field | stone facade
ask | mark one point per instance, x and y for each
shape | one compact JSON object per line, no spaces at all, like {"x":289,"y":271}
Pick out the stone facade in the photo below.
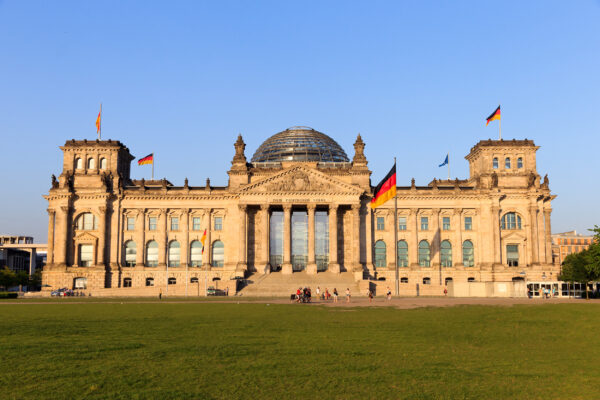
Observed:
{"x":107,"y":231}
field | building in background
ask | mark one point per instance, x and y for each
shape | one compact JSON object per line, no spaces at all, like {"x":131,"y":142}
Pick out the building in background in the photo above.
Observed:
{"x":298,"y":209}
{"x":567,"y":243}
{"x":20,"y":253}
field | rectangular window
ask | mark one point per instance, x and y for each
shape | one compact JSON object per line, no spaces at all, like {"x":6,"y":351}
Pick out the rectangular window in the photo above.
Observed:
{"x":401,"y":223}
{"x":152,"y":223}
{"x":380,"y":223}
{"x":86,"y":255}
{"x":218,"y":223}
{"x":512,"y":255}
{"x":130,"y":223}
{"x":196,"y":223}
{"x":446,"y":223}
{"x":424,"y":223}
{"x":468,"y":223}
{"x":174,"y":223}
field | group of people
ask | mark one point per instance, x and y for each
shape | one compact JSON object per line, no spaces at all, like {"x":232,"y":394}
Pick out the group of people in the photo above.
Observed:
{"x":544,"y":293}
{"x":371,"y":294}
{"x":304,"y":295}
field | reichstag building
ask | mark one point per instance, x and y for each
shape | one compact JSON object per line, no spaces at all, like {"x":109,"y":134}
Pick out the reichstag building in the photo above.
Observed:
{"x":299,"y":208}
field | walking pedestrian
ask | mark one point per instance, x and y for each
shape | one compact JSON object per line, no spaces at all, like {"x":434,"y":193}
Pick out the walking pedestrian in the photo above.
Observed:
{"x":347,"y":295}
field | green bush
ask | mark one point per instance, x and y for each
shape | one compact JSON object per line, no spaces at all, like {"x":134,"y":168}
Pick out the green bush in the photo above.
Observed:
{"x":8,"y":295}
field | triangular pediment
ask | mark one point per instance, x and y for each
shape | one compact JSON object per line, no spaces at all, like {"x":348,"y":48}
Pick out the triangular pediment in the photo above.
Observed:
{"x":514,"y":235}
{"x":86,"y":237}
{"x":301,"y":180}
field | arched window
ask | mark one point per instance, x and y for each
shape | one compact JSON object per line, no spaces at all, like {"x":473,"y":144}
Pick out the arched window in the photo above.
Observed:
{"x":194,"y":280}
{"x":426,"y":281}
{"x":424,"y":254}
{"x":446,"y":253}
{"x":174,"y":254}
{"x":152,"y":254}
{"x":402,"y":253}
{"x":172,"y":281}
{"x":130,"y":253}
{"x":471,"y":279}
{"x":218,"y":254}
{"x":86,"y":255}
{"x":447,"y":280}
{"x":468,"y":254}
{"x":91,"y":163}
{"x":149,"y":281}
{"x":103,"y":163}
{"x":403,"y":280}
{"x":86,"y":222}
{"x":507,"y":163}
{"x":495,"y":163}
{"x":510,"y":220}
{"x":196,"y":254}
{"x":520,"y":162}
{"x":78,"y":163}
{"x":127,"y":282}
{"x":380,"y":259}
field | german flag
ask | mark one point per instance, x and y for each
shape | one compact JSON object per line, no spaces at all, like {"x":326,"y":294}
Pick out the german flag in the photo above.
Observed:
{"x":149,"y":159}
{"x":386,"y":189}
{"x":495,"y":115}
{"x":202,"y":240}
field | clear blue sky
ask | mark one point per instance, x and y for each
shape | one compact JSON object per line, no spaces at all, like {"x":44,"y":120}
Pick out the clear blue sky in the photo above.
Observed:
{"x":415,"y":78}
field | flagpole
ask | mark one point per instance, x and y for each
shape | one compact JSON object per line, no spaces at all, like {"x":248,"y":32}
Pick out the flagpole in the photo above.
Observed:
{"x":396,"y":236}
{"x":152,"y":166}
{"x":100,"y":126}
{"x":500,"y":123}
{"x":448,"y":157}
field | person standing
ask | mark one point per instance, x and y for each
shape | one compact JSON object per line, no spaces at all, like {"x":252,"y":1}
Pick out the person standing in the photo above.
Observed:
{"x":347,"y":295}
{"x":389,"y":293}
{"x":318,"y":291}
{"x":370,"y":294}
{"x":335,"y":295}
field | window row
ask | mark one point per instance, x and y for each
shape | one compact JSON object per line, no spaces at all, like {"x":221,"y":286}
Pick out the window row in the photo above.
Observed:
{"x":127,"y":282}
{"x":427,"y":280}
{"x":174,"y":225}
{"x":507,"y":163}
{"x":424,"y":254}
{"x":468,"y":223}
{"x":174,"y":254}
{"x":91,"y":163}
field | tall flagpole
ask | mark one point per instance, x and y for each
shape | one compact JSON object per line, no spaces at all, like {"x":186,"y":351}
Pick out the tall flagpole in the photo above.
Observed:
{"x":500,"y":123}
{"x":448,"y":158}
{"x":152,"y":166}
{"x":396,"y":236}
{"x":100,"y":125}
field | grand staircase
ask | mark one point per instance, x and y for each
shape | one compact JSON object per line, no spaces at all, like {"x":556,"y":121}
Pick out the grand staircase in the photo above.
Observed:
{"x":277,"y":284}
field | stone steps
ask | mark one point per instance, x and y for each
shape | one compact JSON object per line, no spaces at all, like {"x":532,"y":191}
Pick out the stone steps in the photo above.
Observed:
{"x":278,"y":284}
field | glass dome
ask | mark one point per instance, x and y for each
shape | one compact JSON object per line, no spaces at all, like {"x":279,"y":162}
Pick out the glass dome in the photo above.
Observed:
{"x":300,"y":143}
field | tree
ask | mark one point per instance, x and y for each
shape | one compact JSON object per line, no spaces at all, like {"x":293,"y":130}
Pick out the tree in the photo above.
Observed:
{"x":7,"y":278}
{"x":583,"y":267}
{"x":22,"y":278}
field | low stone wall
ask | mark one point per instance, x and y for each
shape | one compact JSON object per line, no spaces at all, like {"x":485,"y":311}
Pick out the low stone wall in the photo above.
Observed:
{"x":487,"y":289}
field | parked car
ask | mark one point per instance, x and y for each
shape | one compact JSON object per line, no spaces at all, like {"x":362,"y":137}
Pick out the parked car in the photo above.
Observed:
{"x":62,"y":292}
{"x":212,"y":291}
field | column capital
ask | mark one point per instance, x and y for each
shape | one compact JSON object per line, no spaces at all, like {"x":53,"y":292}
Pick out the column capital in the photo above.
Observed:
{"x":414,"y":211}
{"x":64,"y":209}
{"x":264,"y":207}
{"x":102,"y":209}
{"x":435,"y":210}
{"x":242,"y":207}
{"x":547,"y":211}
{"x":458,"y":211}
{"x":185,"y":211}
{"x":333,"y":206}
{"x":311,"y":207}
{"x":355,"y":207}
{"x":287,"y":207}
{"x":50,"y":211}
{"x":163,"y":211}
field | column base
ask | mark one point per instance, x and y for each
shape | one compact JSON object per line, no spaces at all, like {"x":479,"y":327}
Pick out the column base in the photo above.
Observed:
{"x":311,"y":268}
{"x":286,"y":268}
{"x":205,"y":267}
{"x":334,"y":268}
{"x":241,"y":266}
{"x":265,"y":269}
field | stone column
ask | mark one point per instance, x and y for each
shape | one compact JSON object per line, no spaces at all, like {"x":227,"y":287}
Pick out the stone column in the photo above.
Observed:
{"x":185,"y":229}
{"x":32,"y":261}
{"x":207,"y":259}
{"x":333,"y":266}
{"x":61,"y":237}
{"x":457,"y":247}
{"x":435,"y":242}
{"x":50,"y":253}
{"x":311,"y":267}
{"x":264,"y":261}
{"x":413,"y":244}
{"x":286,"y":267}
{"x":242,"y":265}
{"x":497,"y":250}
{"x":541,"y":239}
{"x":356,"y":265}
{"x":548,"y":238}
{"x":162,"y":238}
{"x":369,"y":240}
{"x":102,"y":233}
{"x":140,"y":235}
{"x":534,"y":234}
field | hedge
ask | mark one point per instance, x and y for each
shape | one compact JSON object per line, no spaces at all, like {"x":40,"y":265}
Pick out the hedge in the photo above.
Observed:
{"x":8,"y":295}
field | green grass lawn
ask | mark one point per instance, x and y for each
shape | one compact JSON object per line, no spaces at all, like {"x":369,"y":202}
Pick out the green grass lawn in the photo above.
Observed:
{"x":259,"y":351}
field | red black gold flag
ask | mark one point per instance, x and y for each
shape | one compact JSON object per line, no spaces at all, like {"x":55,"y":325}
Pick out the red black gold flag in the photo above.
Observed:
{"x":495,"y":115}
{"x":386,"y":189}
{"x":149,"y":159}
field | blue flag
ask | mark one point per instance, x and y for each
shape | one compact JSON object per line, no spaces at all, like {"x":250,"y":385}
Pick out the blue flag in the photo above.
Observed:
{"x":445,"y":161}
